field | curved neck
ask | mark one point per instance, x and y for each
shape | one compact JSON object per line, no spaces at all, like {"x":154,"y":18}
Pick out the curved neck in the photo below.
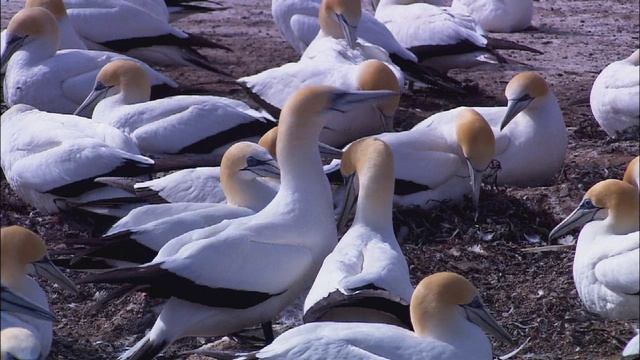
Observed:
{"x":12,"y":273}
{"x":38,"y":49}
{"x":623,"y":221}
{"x":245,"y":191}
{"x":375,"y":198}
{"x":449,"y":325}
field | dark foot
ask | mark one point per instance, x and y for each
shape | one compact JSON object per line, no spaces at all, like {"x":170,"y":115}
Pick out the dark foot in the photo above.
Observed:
{"x":267,"y":329}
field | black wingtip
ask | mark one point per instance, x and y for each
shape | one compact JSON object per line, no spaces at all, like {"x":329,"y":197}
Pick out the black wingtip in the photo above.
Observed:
{"x":262,"y":103}
{"x":428,"y":75}
{"x":196,"y":40}
{"x":502,"y":44}
{"x":195,"y":58}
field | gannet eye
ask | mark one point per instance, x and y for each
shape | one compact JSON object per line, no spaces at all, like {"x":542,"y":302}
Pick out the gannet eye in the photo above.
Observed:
{"x":587,"y":204}
{"x":525,"y":97}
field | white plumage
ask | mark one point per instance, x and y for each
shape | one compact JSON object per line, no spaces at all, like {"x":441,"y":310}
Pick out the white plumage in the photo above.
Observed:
{"x":614,"y":97}
{"x":502,"y":16}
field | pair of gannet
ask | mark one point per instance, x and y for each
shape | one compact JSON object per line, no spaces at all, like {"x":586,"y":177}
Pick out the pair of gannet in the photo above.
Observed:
{"x":530,"y":133}
{"x":172,"y":125}
{"x":25,"y":336}
{"x":606,"y":268}
{"x":448,"y":319}
{"x":39,"y":75}
{"x":614,"y":97}
{"x":139,"y":33}
{"x":244,"y":183}
{"x":440,"y":37}
{"x":366,"y":277}
{"x":210,"y":291}
{"x":502,"y":16}
{"x":298,"y":22}
{"x":49,"y":159}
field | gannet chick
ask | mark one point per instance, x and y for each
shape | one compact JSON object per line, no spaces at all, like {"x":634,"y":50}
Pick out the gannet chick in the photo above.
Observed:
{"x":502,"y":16}
{"x":35,"y":152}
{"x":140,"y":33}
{"x":606,"y":267}
{"x":440,"y":37}
{"x":447,"y":316}
{"x":23,"y":251}
{"x":282,"y":247}
{"x":39,"y":75}
{"x":459,"y":145}
{"x":358,"y":120}
{"x":172,"y":125}
{"x":614,"y":97}
{"x":366,"y":277}
{"x":632,"y":173}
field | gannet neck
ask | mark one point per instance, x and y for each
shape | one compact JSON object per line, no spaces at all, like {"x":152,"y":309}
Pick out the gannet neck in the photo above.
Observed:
{"x":375,"y":171}
{"x":632,"y":173}
{"x":19,"y":247}
{"x":330,"y":10}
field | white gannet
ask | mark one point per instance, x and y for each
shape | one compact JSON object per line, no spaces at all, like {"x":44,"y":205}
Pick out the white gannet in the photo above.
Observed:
{"x":440,"y":37}
{"x":632,"y":173}
{"x":447,"y":315}
{"x":139,"y":34}
{"x":39,"y":75}
{"x":16,"y":303}
{"x":441,"y":159}
{"x":606,"y":268}
{"x":137,"y":237}
{"x":173,"y":125}
{"x":282,"y":247}
{"x":503,"y":16}
{"x":23,"y":251}
{"x":614,"y":97}
{"x":49,"y":159}
{"x":297,"y":21}
{"x":531,"y":136}
{"x":366,"y":277}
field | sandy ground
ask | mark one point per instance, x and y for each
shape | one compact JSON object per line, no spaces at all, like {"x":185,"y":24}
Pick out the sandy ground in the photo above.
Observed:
{"x":531,"y":293}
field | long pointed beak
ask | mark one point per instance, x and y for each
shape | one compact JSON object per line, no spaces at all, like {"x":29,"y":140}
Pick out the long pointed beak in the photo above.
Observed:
{"x":343,"y":101}
{"x":11,"y":46}
{"x":13,"y":302}
{"x":46,"y":268}
{"x":349,"y":31}
{"x":476,"y":185}
{"x":514,"y":107}
{"x":350,"y":197}
{"x":477,"y":313}
{"x":329,"y":152}
{"x":98,"y":93}
{"x":577,"y":218}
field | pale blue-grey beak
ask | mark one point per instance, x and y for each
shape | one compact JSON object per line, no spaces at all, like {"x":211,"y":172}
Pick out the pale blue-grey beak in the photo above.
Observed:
{"x":476,"y":185}
{"x":348,"y":205}
{"x":343,"y":101}
{"x":584,"y":213}
{"x":45,"y":267}
{"x":349,"y":31}
{"x":477,"y":313}
{"x":13,"y":43}
{"x":514,"y":107}
{"x":262,"y":167}
{"x":98,"y":93}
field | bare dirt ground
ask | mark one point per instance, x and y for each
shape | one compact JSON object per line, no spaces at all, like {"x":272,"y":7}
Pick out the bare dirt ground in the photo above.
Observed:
{"x":532,"y":293}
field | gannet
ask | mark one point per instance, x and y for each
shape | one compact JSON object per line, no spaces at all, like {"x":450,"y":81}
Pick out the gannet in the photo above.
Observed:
{"x":440,"y":37}
{"x":606,"y":267}
{"x":139,"y":34}
{"x":503,"y":16}
{"x":441,"y":159}
{"x":210,"y":291}
{"x":172,"y":125}
{"x":366,"y":277}
{"x":614,"y":97}
{"x":447,"y":316}
{"x":39,"y":75}
{"x":146,"y":229}
{"x":22,"y":251}
{"x":297,"y":21}
{"x":530,"y":133}
{"x":51,"y":159}
{"x":632,"y":173}
{"x":16,"y":303}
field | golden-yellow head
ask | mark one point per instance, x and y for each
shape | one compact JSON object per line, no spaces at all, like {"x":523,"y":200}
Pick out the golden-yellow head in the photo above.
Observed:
{"x":340,"y":18}
{"x":21,"y":246}
{"x":475,"y":138}
{"x":375,"y":75}
{"x":35,"y":21}
{"x":268,"y":141}
{"x":124,"y":74}
{"x":56,"y":7}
